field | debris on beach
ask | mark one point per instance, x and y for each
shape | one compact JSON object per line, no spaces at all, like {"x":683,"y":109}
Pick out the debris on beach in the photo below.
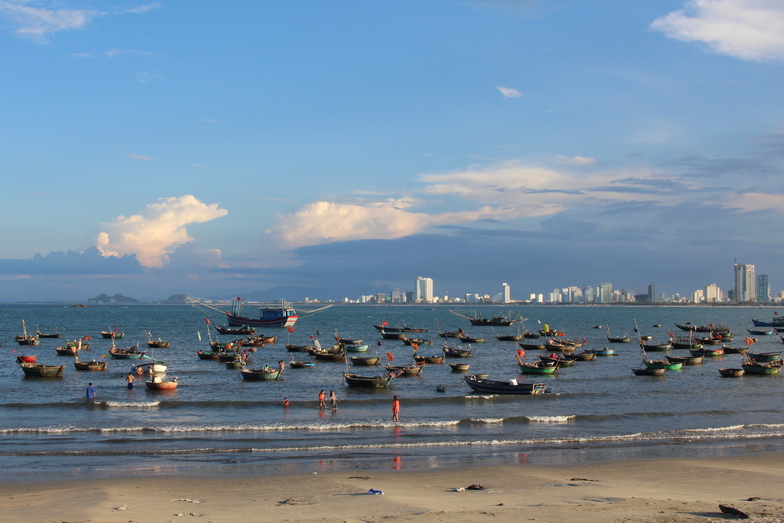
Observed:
{"x":185,"y":514}
{"x":188,"y":500}
{"x":359,"y":477}
{"x":582,"y":479}
{"x":124,"y":507}
{"x":732,"y":510}
{"x":475,"y":486}
{"x":376,"y":492}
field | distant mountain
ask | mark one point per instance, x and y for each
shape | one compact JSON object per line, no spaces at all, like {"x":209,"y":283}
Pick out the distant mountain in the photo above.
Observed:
{"x":299,"y":293}
{"x":117,"y":298}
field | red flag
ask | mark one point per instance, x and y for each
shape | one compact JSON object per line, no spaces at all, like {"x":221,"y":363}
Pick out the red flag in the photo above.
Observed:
{"x":384,"y":323}
{"x":207,"y":320}
{"x":291,"y":329}
{"x":415,"y":346}
{"x":671,"y":335}
{"x":584,"y":340}
{"x":520,"y":352}
{"x":312,"y":337}
{"x":750,"y":341}
{"x":561,"y":334}
{"x":390,"y":357}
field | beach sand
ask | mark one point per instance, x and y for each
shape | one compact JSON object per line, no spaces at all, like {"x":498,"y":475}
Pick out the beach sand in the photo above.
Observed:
{"x":650,"y":490}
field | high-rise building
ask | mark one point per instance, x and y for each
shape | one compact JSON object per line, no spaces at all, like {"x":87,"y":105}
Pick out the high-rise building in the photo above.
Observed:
{"x":713,"y":293}
{"x":653,"y":292}
{"x":424,"y":289}
{"x":763,"y":288}
{"x":605,"y":293}
{"x":506,"y":293}
{"x":745,"y":283}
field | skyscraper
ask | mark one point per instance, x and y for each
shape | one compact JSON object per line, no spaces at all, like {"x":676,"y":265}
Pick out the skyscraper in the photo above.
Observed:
{"x":605,"y":293}
{"x":763,"y":288}
{"x":424,"y":289}
{"x":653,"y":292}
{"x":506,"y":293}
{"x":745,"y":283}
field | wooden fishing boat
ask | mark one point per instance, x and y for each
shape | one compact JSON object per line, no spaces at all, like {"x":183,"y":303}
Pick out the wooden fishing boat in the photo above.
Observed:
{"x":619,"y":339}
{"x":158,"y":344}
{"x":717,"y":328}
{"x":38,"y":370}
{"x":451,"y":334}
{"x":735,"y":350}
{"x":365,"y":360}
{"x":531,"y":346}
{"x":415,"y":341}
{"x":49,"y":335}
{"x":560,"y":360}
{"x":372,"y":382}
{"x":407,"y":370}
{"x":531,"y":335}
{"x":708,"y":340}
{"x":298,"y":348}
{"x":648,"y":372}
{"x":66,"y":351}
{"x":662,"y":364}
{"x":503,"y":387}
{"x":685,"y":343}
{"x":497,"y":320}
{"x":509,"y":337}
{"x":404,"y":328}
{"x":241,"y":330}
{"x":392,"y":335}
{"x":356,"y":348}
{"x":335,"y":353}
{"x":686,"y":360}
{"x":26,"y":339}
{"x":555,"y":346}
{"x":760,"y":368}
{"x":420,"y":360}
{"x":159,"y":384}
{"x":707,"y":352}
{"x":656,"y":347}
{"x":540,"y":367}
{"x":472,"y":339}
{"x":208,"y":355}
{"x":229,"y":355}
{"x":732,"y":373}
{"x":602,"y":352}
{"x":113,"y":334}
{"x":81,"y":344}
{"x":581,"y":356}
{"x":26,"y":359}
{"x":267,"y":374}
{"x":459,"y":367}
{"x":761,"y":332}
{"x":764,"y":357}
{"x":90,"y":365}
{"x":301,"y":364}
{"x":454,"y":352}
{"x":350,"y":341}
{"x":236,"y":364}
{"x":131,"y":353}
{"x":153,"y":367}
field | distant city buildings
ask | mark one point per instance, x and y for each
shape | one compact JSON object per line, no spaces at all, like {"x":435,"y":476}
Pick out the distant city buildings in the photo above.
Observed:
{"x":506,"y":293}
{"x":745,"y":283}
{"x":424,"y":289}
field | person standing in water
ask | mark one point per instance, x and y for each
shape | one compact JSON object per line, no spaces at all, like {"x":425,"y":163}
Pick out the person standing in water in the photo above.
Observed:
{"x":395,"y":408}
{"x":90,"y":392}
{"x":322,"y":400}
{"x":130,"y":379}
{"x":333,"y":399}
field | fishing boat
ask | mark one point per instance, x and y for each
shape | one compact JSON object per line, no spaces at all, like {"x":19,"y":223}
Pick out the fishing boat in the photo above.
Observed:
{"x":764,"y":357}
{"x":158,"y":344}
{"x":645,"y":371}
{"x":761,"y":332}
{"x":685,"y":343}
{"x":349,"y":341}
{"x":291,"y":347}
{"x":392,"y":335}
{"x":560,"y":360}
{"x":735,"y":350}
{"x":131,"y":353}
{"x":113,"y":334}
{"x":656,"y":347}
{"x":732,"y":373}
{"x":503,"y":387}
{"x":26,"y":339}
{"x":531,"y":346}
{"x":371,"y":382}
{"x":407,"y":370}
{"x":208,"y":355}
{"x":451,"y":334}
{"x":356,"y":348}
{"x":38,"y":370}
{"x":707,"y":352}
{"x":472,"y":339}
{"x":26,"y":358}
{"x":267,"y":374}
{"x":153,"y":367}
{"x":531,"y":335}
{"x":497,"y":320}
{"x":602,"y":352}
{"x":459,"y":367}
{"x":617,"y":339}
{"x":301,"y":364}
{"x":718,"y":329}
{"x":581,"y":356}
{"x":539,"y":367}
{"x":47,"y":335}
{"x":364,"y":360}
{"x":767,"y":369}
{"x":421,"y":360}
{"x":455,"y":352}
{"x":415,"y":341}
{"x":276,"y":314}
{"x":686,"y":360}
{"x":384,"y":326}
{"x":242,"y":330}
{"x":160,"y":384}
{"x":90,"y":365}
{"x":335,"y":353}
{"x":66,"y":351}
{"x":662,"y":364}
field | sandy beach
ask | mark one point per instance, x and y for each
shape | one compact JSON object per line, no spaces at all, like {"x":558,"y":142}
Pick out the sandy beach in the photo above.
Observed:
{"x":651,"y":490}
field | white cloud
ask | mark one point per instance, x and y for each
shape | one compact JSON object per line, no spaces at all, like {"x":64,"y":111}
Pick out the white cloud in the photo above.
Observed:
{"x":38,"y":21}
{"x":508,"y":92}
{"x":753,"y":202}
{"x":577,"y":160}
{"x":141,"y":157}
{"x":143,"y":8}
{"x":157,"y":231}
{"x":746,"y":29}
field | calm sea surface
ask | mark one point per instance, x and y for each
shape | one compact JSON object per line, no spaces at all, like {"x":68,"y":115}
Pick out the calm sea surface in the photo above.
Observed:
{"x":216,"y":422}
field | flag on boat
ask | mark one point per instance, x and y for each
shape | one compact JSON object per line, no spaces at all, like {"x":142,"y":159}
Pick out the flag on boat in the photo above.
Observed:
{"x":415,"y":346}
{"x":312,"y":337}
{"x":384,"y":323}
{"x":584,"y":340}
{"x":291,"y":329}
{"x":207,"y":320}
{"x":671,"y":335}
{"x":750,"y":341}
{"x":390,"y":357}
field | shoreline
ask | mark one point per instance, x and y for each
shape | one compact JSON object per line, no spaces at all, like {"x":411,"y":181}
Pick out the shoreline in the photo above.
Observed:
{"x":650,"y":490}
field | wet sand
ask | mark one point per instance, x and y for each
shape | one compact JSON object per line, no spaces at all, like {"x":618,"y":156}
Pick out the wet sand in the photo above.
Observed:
{"x":649,"y":490}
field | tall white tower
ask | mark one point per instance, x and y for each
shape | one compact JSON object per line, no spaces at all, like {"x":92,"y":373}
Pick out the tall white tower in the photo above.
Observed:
{"x":424,"y":289}
{"x":745,"y":283}
{"x":506,"y":293}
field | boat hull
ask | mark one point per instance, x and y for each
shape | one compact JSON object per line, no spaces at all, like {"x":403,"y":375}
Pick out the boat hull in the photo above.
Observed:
{"x":503,"y":387}
{"x":43,"y":371}
{"x":237,"y":321}
{"x":368,"y":382}
{"x":260,"y":374}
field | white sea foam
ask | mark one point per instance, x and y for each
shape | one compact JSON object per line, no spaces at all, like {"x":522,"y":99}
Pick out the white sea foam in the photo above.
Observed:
{"x":132,"y":404}
{"x":487,"y":420}
{"x":551,"y":419}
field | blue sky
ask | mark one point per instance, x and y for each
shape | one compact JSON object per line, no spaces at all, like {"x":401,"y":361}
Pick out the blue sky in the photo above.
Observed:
{"x":218,"y":148}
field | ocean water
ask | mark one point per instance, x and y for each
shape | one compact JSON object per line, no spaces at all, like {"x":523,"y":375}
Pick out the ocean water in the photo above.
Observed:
{"x":215,"y":422}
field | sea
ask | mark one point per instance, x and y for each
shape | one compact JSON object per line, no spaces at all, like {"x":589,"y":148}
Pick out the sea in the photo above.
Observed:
{"x":217,"y":423}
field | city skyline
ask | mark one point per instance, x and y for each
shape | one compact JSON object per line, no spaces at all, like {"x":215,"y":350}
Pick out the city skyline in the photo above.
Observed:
{"x":152,"y":149}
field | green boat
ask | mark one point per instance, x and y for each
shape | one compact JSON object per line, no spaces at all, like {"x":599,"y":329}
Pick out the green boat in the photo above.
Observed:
{"x":662,"y":364}
{"x":761,"y":368}
{"x":538,"y":368}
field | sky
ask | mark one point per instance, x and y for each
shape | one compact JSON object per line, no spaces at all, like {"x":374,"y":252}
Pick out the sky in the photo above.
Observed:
{"x":226,"y":148}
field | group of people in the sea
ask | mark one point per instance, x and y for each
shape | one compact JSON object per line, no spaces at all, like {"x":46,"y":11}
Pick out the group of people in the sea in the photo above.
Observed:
{"x":333,"y":399}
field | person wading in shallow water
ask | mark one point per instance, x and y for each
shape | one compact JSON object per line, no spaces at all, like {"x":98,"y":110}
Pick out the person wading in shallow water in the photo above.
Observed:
{"x":322,"y":400}
{"x":395,"y":409}
{"x":130,"y":379}
{"x":333,"y":399}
